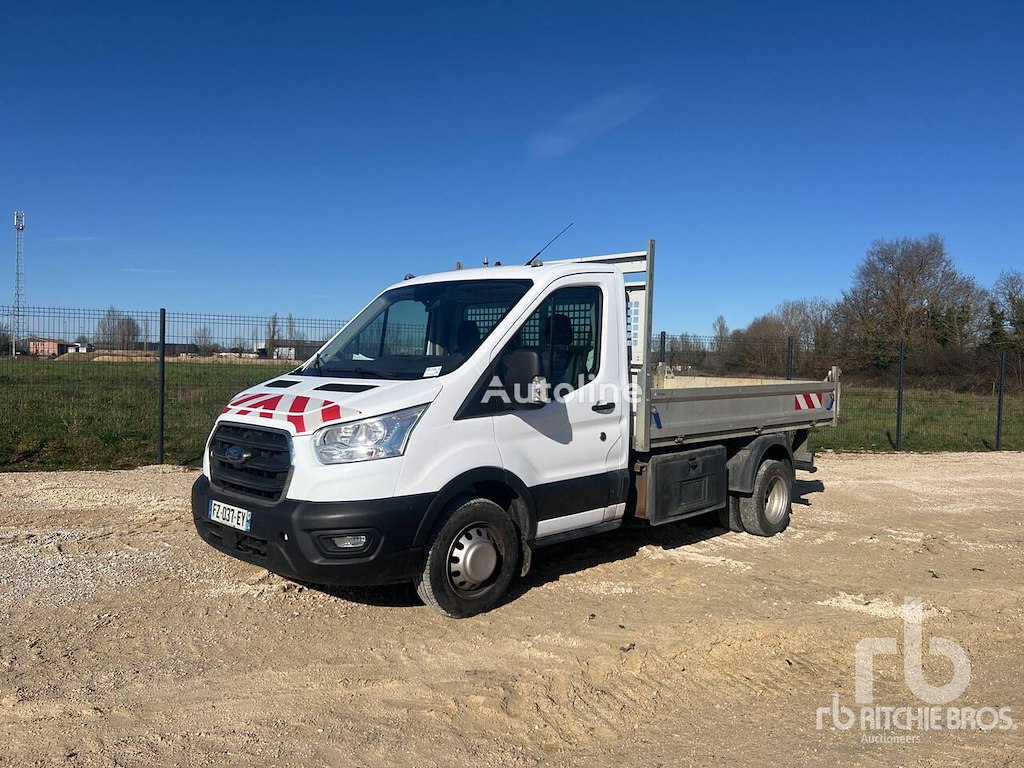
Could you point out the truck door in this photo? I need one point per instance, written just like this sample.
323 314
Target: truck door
572 452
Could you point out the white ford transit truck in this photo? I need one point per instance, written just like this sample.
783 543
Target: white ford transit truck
464 419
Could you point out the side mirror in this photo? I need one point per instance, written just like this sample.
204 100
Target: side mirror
524 380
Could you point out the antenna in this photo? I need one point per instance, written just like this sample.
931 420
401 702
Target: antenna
19 278
549 242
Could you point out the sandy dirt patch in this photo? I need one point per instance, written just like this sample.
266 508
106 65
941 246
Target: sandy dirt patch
126 641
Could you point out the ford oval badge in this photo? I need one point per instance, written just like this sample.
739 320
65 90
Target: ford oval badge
236 454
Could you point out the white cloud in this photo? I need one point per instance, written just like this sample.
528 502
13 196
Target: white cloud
605 113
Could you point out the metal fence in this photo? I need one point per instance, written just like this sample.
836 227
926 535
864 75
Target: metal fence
115 388
91 388
917 400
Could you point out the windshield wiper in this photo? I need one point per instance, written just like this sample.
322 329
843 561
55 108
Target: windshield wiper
366 373
317 362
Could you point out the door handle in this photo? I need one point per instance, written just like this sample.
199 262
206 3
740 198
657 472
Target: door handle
604 408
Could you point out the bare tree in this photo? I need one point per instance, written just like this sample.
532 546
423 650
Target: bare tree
1007 312
908 289
764 347
203 340
292 330
116 330
273 335
961 324
811 325
721 330
1009 295
686 350
804 319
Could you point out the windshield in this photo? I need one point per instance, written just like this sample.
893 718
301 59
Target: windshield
418 331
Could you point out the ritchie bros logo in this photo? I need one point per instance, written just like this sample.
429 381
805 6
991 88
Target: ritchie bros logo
910 721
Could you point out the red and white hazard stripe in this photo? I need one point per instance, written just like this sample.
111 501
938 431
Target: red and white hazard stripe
808 402
302 412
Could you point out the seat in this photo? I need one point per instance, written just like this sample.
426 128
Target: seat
467 337
566 363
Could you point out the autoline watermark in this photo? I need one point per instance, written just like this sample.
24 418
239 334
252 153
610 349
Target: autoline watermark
542 391
883 724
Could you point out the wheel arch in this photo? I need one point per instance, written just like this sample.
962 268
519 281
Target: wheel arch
743 464
492 483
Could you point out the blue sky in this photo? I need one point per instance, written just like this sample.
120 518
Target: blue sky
254 157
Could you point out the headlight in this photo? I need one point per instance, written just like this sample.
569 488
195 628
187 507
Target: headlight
378 438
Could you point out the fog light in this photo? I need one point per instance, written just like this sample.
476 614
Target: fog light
349 542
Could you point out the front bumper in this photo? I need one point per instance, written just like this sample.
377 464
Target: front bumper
285 537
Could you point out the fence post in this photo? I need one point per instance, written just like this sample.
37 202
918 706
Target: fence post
789 357
999 404
161 389
661 348
899 399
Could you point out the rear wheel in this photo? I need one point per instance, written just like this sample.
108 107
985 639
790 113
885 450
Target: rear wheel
729 515
470 561
767 510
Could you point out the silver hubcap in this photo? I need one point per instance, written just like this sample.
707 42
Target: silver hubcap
776 499
473 558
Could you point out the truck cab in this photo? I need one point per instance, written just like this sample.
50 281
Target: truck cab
459 421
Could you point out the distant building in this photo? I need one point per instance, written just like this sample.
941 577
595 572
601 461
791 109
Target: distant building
43 347
290 349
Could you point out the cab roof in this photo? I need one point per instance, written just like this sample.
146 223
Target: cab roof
538 272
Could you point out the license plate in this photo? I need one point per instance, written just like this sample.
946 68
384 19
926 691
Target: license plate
234 517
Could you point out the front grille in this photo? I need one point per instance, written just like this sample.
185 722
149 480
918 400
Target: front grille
264 475
243 542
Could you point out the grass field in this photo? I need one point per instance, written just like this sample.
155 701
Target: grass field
933 420
56 415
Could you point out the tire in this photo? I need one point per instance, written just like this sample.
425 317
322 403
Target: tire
471 559
729 515
766 512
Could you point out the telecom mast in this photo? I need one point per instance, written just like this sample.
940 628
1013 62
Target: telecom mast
19 276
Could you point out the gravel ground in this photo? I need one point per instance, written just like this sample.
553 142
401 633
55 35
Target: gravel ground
128 642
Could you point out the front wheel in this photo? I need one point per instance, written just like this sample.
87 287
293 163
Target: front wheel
470 561
766 511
